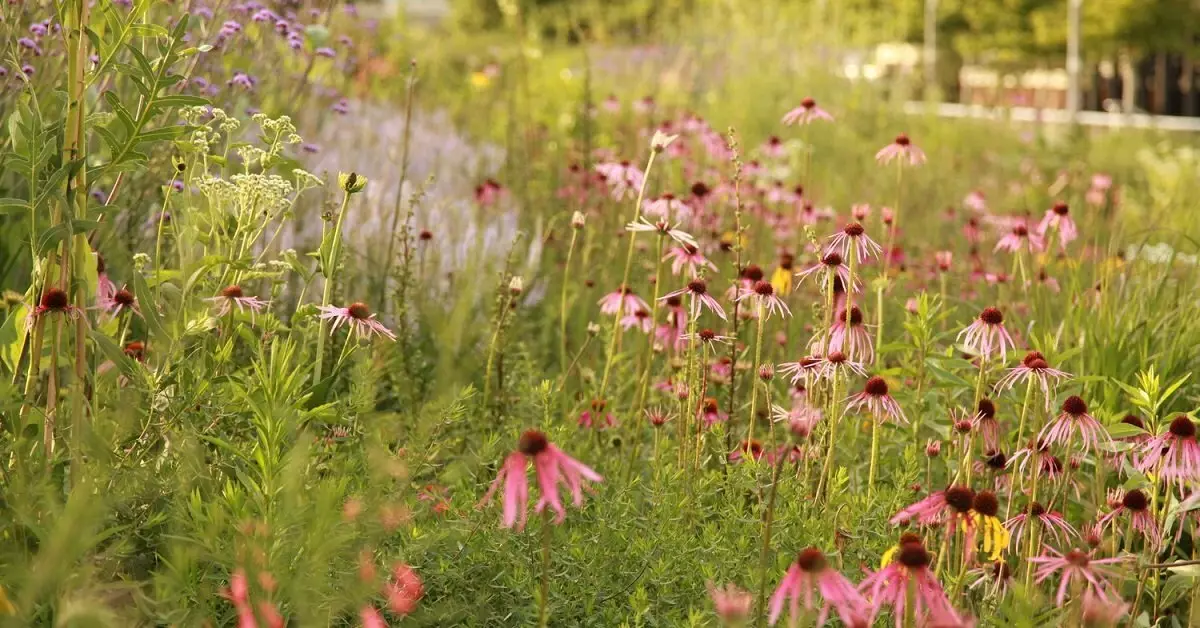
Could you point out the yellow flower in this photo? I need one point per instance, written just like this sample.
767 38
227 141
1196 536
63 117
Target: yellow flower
995 536
782 281
6 606
480 80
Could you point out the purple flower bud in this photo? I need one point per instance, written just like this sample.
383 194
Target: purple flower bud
341 107
325 51
310 148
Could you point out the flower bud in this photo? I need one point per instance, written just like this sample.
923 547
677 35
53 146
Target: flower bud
351 183
516 285
661 141
577 220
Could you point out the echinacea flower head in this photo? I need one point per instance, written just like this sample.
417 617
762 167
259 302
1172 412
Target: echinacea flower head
830 265
1020 237
552 466
664 229
623 178
1058 220
763 294
809 575
902 149
909 569
54 301
1035 368
1075 566
403 590
987 336
806 113
688 256
1074 422
597 417
1135 505
233 296
836 364
986 424
358 318
802 368
1100 611
875 400
854 236
848 335
953 503
1174 455
1049 521
120 302
698 298
747 450
621 300
731 603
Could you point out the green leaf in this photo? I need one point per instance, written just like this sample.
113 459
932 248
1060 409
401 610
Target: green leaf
12 335
165 134
180 100
13 205
148 308
122 113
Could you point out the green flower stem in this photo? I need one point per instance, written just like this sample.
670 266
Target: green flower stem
329 271
762 315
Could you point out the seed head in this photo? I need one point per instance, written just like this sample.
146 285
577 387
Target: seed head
986 409
1077 558
700 189
1182 427
996 460
853 230
359 311
986 503
135 349
55 299
808 103
707 335
1075 406
811 560
532 443
836 357
1061 208
232 292
1036 509
425 235
933 448
1020 230
1033 357
763 288
913 555
876 387
1135 500
123 298
853 317
697 286
766 372
991 316
752 273
578 220
832 259
960 498
902 140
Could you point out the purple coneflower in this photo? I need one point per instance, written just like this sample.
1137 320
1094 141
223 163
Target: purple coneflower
1020 237
1058 218
876 401
664 229
233 296
834 364
698 298
639 318
903 149
1076 565
765 298
54 301
801 419
808 575
623 299
119 302
1033 367
799 370
597 417
1048 521
1136 505
1037 452
1174 455
688 256
864 246
986 335
711 412
807 112
623 178
667 207
830 262
552 466
848 335
1074 420
358 317
986 424
747 449
731 603
889 587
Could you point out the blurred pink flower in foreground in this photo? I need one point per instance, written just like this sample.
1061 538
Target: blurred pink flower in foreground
551 465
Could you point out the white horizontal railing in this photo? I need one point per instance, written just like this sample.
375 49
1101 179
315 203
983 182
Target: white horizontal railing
1057 116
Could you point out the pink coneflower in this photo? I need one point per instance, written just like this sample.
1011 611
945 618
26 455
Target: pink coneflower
54 301
1074 420
1174 455
1037 452
876 401
984 421
943 259
860 211
551 466
709 337
596 416
358 317
640 319
971 231
1020 237
864 246
831 262
663 229
233 296
371 617
801 419
711 413
1076 565
690 257
119 302
731 603
953 505
747 277
807 112
657 416
623 178
836 364
1102 612
806 366
809 575
773 147
488 193
1034 367
848 335
986 335
667 207
104 286
698 298
765 298
1136 505
889 587
747 449
1048 521
404 589
903 149
996 575
623 299
1059 219
976 202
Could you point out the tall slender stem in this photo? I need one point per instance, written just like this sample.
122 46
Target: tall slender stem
562 300
768 520
874 458
544 598
758 340
387 261
329 271
1020 437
